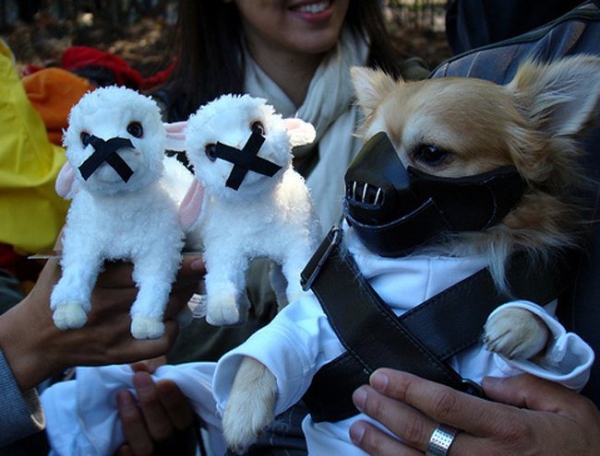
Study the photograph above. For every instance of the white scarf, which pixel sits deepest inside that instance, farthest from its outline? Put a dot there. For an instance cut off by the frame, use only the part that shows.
(329, 106)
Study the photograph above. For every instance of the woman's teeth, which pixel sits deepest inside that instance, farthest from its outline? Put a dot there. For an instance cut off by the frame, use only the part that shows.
(313, 7)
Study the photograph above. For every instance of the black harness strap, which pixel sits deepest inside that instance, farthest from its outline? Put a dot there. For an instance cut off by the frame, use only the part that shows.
(420, 342)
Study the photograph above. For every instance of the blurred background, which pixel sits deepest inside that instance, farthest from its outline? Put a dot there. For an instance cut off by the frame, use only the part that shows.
(38, 31)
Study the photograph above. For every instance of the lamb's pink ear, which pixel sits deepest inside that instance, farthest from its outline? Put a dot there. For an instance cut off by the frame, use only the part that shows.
(300, 132)
(65, 181)
(191, 206)
(176, 136)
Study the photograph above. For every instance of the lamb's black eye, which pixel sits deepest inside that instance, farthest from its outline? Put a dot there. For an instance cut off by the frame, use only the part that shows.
(85, 138)
(135, 129)
(430, 155)
(258, 127)
(211, 151)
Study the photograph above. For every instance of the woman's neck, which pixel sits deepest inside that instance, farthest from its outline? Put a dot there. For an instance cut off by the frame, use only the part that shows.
(292, 72)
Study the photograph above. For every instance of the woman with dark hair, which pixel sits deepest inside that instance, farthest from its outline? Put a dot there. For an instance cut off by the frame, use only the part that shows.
(296, 54)
(210, 42)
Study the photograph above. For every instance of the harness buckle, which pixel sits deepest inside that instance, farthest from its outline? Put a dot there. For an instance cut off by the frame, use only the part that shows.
(314, 266)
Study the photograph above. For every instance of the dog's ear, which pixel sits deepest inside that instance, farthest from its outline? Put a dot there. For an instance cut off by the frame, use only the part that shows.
(300, 132)
(370, 86)
(560, 97)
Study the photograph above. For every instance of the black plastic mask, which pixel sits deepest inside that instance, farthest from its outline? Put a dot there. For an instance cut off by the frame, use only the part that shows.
(394, 209)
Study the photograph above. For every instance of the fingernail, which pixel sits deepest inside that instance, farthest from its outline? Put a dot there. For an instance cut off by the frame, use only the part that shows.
(359, 397)
(491, 382)
(124, 400)
(357, 432)
(143, 383)
(379, 381)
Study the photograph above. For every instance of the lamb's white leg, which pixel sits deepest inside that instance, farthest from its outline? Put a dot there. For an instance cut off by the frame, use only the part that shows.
(295, 262)
(154, 280)
(515, 333)
(251, 404)
(225, 285)
(70, 298)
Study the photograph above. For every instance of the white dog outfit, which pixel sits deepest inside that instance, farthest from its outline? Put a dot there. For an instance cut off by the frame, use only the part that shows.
(300, 340)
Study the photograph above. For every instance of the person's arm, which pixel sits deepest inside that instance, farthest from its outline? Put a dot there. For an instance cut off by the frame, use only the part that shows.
(34, 349)
(525, 415)
(20, 414)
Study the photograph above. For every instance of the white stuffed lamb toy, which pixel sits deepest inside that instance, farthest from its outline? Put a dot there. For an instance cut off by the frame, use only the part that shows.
(125, 206)
(247, 202)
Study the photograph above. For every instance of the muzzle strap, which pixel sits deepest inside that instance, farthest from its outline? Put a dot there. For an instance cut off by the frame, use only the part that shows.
(106, 151)
(245, 160)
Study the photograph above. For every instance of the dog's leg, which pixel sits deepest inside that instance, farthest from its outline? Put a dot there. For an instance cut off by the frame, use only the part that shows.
(251, 404)
(515, 333)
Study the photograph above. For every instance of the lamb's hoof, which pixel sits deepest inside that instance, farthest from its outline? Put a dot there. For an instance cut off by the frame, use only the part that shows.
(223, 310)
(69, 316)
(147, 328)
(515, 333)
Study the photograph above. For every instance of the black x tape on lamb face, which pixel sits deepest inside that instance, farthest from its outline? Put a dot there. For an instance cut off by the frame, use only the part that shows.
(106, 152)
(245, 160)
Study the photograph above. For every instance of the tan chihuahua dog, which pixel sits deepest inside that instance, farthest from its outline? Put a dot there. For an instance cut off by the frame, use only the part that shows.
(453, 128)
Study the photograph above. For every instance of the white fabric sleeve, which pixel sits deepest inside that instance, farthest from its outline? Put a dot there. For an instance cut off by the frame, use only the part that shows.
(567, 359)
(293, 346)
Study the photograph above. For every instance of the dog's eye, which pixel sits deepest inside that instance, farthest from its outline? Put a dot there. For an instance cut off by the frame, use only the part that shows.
(211, 151)
(430, 155)
(135, 129)
(85, 138)
(257, 126)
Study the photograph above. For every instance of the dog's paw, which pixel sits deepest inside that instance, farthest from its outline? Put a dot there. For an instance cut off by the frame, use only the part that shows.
(147, 328)
(71, 315)
(251, 405)
(223, 310)
(515, 333)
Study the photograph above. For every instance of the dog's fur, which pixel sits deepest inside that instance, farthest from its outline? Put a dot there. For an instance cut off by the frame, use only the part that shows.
(110, 219)
(476, 126)
(269, 217)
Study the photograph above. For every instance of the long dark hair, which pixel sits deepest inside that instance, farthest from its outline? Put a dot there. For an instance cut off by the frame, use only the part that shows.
(209, 61)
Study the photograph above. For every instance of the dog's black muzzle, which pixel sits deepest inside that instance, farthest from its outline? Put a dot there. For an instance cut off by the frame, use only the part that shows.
(394, 209)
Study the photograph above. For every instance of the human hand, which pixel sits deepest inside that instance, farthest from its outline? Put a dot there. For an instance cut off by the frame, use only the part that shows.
(530, 416)
(159, 412)
(36, 349)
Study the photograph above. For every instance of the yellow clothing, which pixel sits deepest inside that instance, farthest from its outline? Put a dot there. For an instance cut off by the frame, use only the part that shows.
(31, 213)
